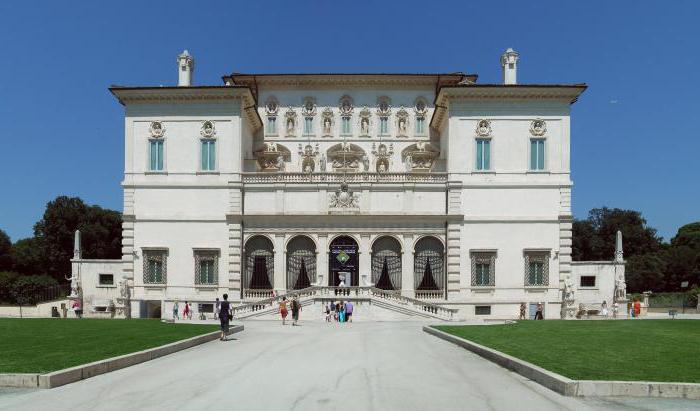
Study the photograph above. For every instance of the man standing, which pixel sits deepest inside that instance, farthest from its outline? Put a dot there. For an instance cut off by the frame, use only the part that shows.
(348, 311)
(296, 308)
(217, 308)
(538, 313)
(224, 315)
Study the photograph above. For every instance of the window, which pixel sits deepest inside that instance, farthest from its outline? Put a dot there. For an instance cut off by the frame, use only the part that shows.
(483, 154)
(346, 125)
(206, 267)
(587, 281)
(308, 125)
(483, 268)
(420, 125)
(482, 310)
(536, 154)
(272, 125)
(155, 266)
(206, 308)
(383, 125)
(537, 268)
(156, 155)
(208, 155)
(106, 279)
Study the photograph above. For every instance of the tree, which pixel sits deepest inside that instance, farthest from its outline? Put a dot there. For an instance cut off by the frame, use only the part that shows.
(645, 272)
(28, 257)
(598, 233)
(688, 235)
(100, 233)
(5, 252)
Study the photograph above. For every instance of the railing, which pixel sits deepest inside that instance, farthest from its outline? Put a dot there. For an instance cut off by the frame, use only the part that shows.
(332, 293)
(338, 177)
(257, 294)
(430, 295)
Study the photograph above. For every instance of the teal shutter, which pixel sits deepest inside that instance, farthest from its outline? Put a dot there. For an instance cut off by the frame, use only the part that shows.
(212, 155)
(540, 155)
(154, 155)
(479, 154)
(533, 154)
(487, 155)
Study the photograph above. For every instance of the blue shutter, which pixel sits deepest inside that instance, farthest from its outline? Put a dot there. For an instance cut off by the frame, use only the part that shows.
(212, 155)
(154, 154)
(487, 155)
(479, 154)
(540, 155)
(533, 154)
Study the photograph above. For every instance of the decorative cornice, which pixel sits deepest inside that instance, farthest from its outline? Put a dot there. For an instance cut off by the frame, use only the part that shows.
(144, 95)
(557, 92)
(346, 79)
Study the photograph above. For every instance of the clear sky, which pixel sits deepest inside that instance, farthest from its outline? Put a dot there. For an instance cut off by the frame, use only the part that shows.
(635, 139)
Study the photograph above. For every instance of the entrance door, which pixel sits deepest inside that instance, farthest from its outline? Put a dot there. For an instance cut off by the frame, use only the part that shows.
(343, 261)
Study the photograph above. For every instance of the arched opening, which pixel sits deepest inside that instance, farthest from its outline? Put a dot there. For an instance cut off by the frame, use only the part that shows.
(386, 263)
(343, 262)
(301, 263)
(259, 263)
(429, 265)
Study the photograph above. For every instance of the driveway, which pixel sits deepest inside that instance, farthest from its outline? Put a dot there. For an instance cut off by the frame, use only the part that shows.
(360, 366)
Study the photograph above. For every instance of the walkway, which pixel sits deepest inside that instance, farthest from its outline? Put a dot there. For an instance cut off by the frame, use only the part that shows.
(361, 366)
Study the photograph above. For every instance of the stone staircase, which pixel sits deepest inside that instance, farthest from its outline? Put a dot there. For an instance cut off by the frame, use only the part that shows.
(361, 297)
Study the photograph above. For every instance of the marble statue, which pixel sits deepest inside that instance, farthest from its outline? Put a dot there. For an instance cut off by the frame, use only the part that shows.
(290, 126)
(364, 126)
(420, 146)
(322, 163)
(365, 163)
(382, 167)
(409, 163)
(327, 126)
(280, 163)
(402, 126)
(270, 146)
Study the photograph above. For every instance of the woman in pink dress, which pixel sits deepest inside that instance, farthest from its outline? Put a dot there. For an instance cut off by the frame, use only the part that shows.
(186, 313)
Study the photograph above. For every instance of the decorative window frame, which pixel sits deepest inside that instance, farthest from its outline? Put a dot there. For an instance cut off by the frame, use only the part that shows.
(327, 114)
(308, 111)
(545, 165)
(210, 254)
(149, 253)
(384, 112)
(402, 114)
(420, 108)
(346, 107)
(536, 254)
(481, 256)
(156, 129)
(476, 150)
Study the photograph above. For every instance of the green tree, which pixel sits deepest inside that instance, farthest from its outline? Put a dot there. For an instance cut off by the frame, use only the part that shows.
(598, 233)
(5, 252)
(688, 235)
(28, 257)
(100, 233)
(7, 278)
(645, 272)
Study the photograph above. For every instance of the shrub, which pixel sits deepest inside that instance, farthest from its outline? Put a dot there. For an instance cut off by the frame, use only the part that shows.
(27, 290)
(7, 278)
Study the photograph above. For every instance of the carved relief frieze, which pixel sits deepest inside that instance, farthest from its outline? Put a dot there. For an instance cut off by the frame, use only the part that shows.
(308, 156)
(382, 156)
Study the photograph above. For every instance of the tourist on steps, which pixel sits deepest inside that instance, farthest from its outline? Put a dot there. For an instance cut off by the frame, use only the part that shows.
(224, 315)
(283, 309)
(348, 311)
(296, 308)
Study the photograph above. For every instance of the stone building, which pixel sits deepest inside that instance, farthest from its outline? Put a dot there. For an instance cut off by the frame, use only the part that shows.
(416, 193)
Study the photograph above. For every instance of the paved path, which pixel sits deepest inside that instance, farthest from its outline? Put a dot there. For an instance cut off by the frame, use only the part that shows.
(361, 366)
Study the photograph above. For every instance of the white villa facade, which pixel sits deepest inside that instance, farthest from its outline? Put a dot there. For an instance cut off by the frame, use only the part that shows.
(410, 193)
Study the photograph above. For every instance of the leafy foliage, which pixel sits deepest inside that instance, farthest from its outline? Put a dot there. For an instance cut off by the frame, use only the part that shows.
(5, 252)
(30, 289)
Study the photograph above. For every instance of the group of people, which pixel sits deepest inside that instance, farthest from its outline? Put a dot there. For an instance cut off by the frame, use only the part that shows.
(339, 311)
(635, 310)
(285, 306)
(539, 312)
(186, 312)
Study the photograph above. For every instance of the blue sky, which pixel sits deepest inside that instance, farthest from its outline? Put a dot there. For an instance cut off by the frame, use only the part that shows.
(635, 139)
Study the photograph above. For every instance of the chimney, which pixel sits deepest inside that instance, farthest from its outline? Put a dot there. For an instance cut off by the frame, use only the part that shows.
(185, 67)
(509, 64)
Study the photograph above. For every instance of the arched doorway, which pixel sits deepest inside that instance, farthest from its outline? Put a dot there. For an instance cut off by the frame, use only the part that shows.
(343, 262)
(301, 263)
(429, 265)
(386, 263)
(259, 263)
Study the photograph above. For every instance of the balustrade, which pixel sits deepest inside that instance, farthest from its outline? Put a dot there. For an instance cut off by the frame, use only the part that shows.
(339, 177)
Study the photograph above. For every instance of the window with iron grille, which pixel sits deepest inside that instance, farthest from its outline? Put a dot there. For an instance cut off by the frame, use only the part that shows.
(482, 310)
(536, 268)
(206, 267)
(483, 269)
(155, 266)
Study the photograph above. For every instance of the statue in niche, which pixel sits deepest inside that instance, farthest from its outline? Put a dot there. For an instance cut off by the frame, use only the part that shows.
(280, 163)
(364, 126)
(381, 168)
(365, 163)
(307, 168)
(327, 126)
(402, 127)
(290, 126)
(322, 163)
(409, 163)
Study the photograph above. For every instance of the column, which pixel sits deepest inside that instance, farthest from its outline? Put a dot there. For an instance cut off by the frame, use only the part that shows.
(280, 277)
(365, 261)
(408, 287)
(322, 262)
(453, 240)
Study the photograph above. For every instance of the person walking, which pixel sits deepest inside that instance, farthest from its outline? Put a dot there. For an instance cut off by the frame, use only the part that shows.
(283, 310)
(538, 313)
(348, 311)
(296, 308)
(637, 308)
(176, 310)
(604, 309)
(341, 312)
(186, 314)
(523, 309)
(225, 315)
(328, 312)
(217, 308)
(78, 308)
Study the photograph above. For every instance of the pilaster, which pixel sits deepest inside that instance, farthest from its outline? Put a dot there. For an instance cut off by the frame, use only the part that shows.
(322, 266)
(235, 244)
(279, 277)
(453, 241)
(365, 261)
(407, 281)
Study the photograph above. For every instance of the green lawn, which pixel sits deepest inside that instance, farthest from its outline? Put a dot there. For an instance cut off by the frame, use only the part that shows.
(648, 350)
(42, 345)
